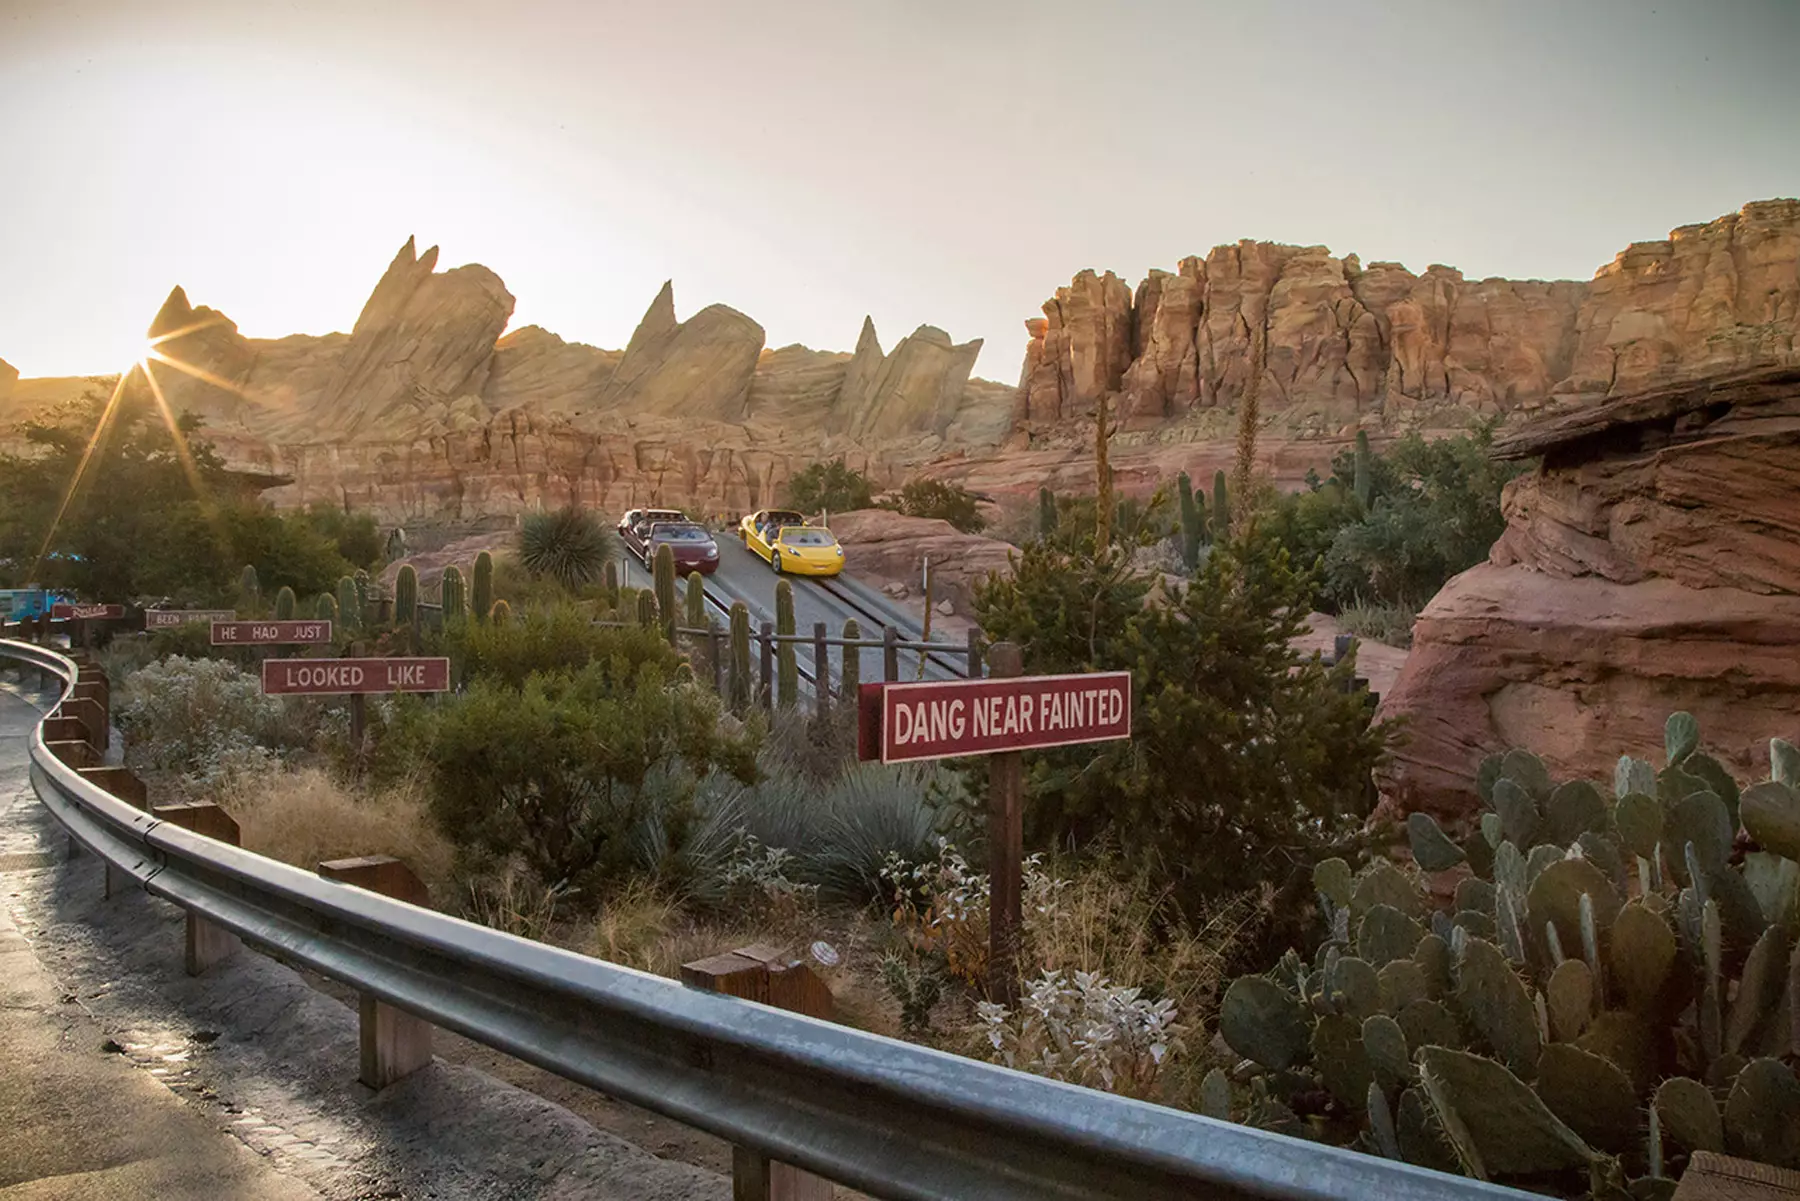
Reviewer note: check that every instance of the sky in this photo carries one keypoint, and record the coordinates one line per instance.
(949, 162)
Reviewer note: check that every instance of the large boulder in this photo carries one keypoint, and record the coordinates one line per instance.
(1649, 565)
(890, 548)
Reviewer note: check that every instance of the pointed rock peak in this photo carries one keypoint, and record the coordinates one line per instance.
(933, 335)
(659, 320)
(409, 253)
(427, 261)
(868, 342)
(175, 313)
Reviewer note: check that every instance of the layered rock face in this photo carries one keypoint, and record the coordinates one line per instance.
(1336, 346)
(9, 376)
(1651, 564)
(427, 410)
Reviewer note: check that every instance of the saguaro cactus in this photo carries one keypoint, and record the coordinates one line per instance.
(850, 671)
(452, 595)
(285, 603)
(740, 657)
(663, 572)
(349, 603)
(787, 667)
(1221, 514)
(1046, 512)
(406, 595)
(325, 608)
(612, 584)
(646, 608)
(1193, 520)
(249, 589)
(501, 613)
(1364, 483)
(481, 594)
(696, 601)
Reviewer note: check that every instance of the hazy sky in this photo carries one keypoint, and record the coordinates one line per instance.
(809, 162)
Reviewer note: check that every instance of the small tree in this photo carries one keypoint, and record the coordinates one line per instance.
(945, 502)
(834, 487)
(570, 546)
(1046, 512)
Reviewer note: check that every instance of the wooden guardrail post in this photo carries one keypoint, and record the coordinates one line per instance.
(974, 654)
(766, 662)
(821, 667)
(715, 653)
(394, 1043)
(207, 944)
(123, 783)
(762, 974)
(890, 654)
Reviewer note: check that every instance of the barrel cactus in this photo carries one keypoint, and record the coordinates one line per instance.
(349, 604)
(481, 586)
(452, 595)
(285, 603)
(325, 608)
(1615, 987)
(787, 666)
(249, 590)
(500, 614)
(406, 595)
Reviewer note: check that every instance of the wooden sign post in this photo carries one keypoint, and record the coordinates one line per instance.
(1001, 716)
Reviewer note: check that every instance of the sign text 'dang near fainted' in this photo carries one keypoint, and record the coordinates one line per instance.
(949, 718)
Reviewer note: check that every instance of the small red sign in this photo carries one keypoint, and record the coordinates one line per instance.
(162, 619)
(270, 633)
(344, 677)
(946, 718)
(63, 611)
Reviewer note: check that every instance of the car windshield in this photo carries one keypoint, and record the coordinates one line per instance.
(807, 536)
(680, 533)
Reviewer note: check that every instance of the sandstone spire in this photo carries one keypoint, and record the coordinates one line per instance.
(859, 377)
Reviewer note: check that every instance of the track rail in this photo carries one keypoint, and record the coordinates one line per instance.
(889, 1118)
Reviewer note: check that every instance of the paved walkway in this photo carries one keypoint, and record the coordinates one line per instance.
(77, 1120)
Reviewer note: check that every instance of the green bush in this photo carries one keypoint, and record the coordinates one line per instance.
(571, 546)
(1612, 991)
(1246, 762)
(561, 771)
(835, 487)
(946, 502)
(562, 638)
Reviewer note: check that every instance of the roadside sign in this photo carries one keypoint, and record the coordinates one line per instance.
(355, 677)
(943, 719)
(64, 611)
(162, 619)
(270, 633)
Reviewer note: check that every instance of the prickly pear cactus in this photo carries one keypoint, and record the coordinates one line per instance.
(1260, 1020)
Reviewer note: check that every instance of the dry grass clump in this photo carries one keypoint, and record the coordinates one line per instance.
(305, 816)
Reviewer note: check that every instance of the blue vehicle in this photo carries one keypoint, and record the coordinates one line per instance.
(17, 604)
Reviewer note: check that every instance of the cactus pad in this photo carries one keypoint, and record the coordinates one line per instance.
(1633, 775)
(1705, 767)
(1475, 893)
(1479, 924)
(1774, 881)
(1429, 1024)
(1385, 934)
(1343, 1064)
(1433, 957)
(1761, 984)
(1762, 1115)
(1402, 983)
(1498, 1126)
(1215, 1096)
(1689, 1115)
(1421, 1138)
(1569, 996)
(1784, 762)
(1540, 858)
(1260, 1020)
(1528, 771)
(1643, 952)
(1519, 817)
(1573, 809)
(1331, 879)
(1627, 1040)
(1381, 1124)
(1700, 819)
(1486, 772)
(1478, 851)
(1639, 819)
(1491, 996)
(1771, 813)
(1357, 988)
(1556, 897)
(1431, 848)
(1591, 1094)
(1681, 736)
(1601, 851)
(1492, 829)
(1385, 884)
(1385, 1044)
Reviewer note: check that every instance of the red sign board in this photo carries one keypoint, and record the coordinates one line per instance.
(270, 633)
(63, 611)
(943, 719)
(343, 677)
(160, 619)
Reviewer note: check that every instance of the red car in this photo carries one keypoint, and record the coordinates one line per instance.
(689, 541)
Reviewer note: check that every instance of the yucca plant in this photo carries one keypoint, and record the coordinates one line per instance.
(570, 546)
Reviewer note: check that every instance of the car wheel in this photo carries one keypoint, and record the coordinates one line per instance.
(775, 562)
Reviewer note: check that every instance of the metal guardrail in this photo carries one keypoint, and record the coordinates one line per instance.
(890, 1118)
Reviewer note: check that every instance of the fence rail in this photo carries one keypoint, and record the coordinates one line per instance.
(887, 1117)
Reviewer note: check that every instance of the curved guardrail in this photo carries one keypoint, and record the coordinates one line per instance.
(890, 1118)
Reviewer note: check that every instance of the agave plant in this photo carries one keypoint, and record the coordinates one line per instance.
(1614, 987)
(570, 545)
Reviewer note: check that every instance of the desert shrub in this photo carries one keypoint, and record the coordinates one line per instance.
(194, 716)
(355, 534)
(946, 502)
(834, 486)
(1081, 1028)
(1613, 993)
(561, 770)
(570, 545)
(1246, 762)
(305, 816)
(1388, 624)
(556, 638)
(524, 591)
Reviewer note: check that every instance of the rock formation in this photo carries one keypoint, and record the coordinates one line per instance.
(1650, 564)
(9, 376)
(1345, 346)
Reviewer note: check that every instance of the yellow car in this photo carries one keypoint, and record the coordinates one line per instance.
(790, 545)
